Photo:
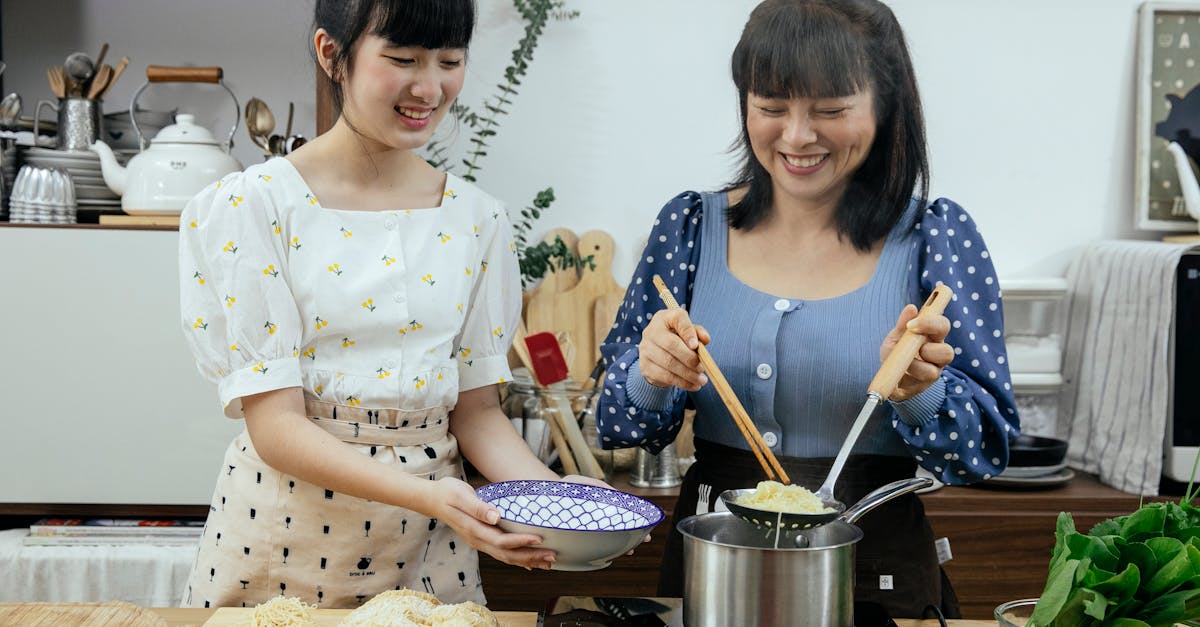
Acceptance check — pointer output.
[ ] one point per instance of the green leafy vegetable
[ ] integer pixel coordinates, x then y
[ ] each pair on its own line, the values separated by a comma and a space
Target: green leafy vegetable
1139, 570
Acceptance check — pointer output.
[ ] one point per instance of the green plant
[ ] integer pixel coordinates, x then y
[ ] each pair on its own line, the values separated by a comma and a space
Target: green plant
1138, 570
535, 259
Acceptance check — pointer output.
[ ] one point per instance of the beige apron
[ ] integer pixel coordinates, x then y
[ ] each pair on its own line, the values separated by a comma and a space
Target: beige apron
269, 534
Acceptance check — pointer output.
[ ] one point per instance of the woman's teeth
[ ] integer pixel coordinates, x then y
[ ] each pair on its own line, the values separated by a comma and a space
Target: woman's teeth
804, 162
413, 113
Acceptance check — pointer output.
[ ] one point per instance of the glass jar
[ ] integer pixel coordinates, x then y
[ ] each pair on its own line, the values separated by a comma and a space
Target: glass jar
529, 407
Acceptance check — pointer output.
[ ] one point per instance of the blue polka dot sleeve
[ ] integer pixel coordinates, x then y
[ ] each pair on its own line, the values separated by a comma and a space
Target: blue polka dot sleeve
967, 439
671, 252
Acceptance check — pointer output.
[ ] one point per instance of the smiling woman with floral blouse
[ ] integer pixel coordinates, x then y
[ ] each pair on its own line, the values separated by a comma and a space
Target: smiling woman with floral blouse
803, 274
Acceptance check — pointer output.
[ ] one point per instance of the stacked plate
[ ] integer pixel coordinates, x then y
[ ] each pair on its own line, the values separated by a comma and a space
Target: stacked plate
8, 170
91, 194
1035, 462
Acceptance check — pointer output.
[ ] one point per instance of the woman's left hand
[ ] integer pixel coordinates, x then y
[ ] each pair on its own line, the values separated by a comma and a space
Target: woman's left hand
600, 484
934, 355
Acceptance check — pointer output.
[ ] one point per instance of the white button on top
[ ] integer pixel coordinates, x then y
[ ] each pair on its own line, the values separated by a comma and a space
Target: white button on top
764, 371
782, 304
389, 224
770, 439
389, 364
399, 298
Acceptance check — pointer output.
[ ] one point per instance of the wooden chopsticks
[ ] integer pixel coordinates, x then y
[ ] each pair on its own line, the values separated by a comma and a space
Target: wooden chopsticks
766, 458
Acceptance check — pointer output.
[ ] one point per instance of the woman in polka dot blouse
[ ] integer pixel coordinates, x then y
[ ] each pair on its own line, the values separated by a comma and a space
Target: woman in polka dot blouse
361, 336
804, 273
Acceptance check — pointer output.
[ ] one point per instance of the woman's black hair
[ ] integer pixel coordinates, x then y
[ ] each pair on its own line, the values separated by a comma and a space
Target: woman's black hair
830, 49
428, 24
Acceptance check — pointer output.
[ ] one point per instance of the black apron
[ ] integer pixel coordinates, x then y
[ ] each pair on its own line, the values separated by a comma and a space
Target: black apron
897, 547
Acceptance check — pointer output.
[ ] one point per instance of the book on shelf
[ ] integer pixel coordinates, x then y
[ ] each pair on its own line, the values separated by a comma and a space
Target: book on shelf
34, 540
115, 527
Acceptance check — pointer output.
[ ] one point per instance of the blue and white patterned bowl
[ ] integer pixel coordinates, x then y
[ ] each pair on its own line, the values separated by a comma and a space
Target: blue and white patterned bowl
588, 526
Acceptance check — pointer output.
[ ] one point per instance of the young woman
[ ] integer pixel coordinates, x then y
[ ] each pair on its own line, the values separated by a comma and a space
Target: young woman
355, 306
804, 273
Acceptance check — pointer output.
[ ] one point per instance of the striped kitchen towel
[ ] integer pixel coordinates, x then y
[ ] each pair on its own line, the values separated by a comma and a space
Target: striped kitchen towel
1116, 364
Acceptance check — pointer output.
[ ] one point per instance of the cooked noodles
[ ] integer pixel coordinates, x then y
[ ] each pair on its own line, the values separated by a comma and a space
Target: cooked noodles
282, 612
773, 496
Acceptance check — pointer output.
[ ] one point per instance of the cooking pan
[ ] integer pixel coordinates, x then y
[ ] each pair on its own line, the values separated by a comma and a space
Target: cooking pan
736, 573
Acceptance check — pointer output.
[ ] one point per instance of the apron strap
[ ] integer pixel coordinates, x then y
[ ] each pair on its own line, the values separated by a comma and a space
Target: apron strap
380, 427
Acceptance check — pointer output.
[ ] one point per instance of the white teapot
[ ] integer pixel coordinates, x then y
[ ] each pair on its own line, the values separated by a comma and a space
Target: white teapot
1187, 180
181, 160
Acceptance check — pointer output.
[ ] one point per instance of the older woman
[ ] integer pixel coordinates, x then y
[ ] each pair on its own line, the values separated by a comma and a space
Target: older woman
803, 272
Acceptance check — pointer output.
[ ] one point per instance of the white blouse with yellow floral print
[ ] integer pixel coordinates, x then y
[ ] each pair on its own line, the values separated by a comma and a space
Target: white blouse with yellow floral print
381, 309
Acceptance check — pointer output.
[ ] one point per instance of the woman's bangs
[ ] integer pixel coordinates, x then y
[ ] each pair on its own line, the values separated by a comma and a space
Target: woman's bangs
431, 24
805, 56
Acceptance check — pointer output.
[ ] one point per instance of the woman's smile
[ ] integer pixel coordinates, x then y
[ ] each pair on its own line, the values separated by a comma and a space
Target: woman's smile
414, 117
803, 164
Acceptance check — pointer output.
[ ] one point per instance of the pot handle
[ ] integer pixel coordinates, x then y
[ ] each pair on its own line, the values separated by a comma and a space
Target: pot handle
883, 495
167, 74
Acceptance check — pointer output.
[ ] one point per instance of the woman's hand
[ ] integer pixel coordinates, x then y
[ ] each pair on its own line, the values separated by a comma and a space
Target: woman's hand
667, 353
934, 355
454, 502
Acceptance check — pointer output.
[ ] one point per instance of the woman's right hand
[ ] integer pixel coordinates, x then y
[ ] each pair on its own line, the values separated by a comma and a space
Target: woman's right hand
667, 353
455, 503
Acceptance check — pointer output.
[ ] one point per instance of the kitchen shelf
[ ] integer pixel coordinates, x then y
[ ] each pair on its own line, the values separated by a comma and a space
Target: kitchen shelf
1033, 288
94, 227
1036, 382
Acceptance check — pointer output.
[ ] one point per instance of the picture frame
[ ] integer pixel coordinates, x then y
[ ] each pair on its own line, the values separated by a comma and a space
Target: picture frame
1168, 64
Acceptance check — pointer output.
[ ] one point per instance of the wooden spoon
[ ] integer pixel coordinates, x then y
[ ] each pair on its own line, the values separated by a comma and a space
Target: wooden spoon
116, 73
58, 80
100, 82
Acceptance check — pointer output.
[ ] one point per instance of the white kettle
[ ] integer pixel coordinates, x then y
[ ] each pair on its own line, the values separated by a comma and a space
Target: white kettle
1187, 180
182, 158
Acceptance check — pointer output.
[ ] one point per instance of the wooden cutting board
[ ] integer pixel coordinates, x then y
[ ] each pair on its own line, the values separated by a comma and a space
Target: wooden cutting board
578, 303
114, 613
231, 616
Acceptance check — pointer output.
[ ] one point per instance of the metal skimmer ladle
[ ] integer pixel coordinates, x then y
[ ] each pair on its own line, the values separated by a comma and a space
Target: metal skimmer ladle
881, 387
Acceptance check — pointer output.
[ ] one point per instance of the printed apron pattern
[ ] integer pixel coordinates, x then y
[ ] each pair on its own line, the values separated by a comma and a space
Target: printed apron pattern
270, 534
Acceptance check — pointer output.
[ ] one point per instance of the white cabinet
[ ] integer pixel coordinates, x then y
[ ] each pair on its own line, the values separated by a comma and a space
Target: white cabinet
102, 402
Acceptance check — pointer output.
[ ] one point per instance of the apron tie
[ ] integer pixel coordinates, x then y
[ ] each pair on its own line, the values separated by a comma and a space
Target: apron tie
379, 427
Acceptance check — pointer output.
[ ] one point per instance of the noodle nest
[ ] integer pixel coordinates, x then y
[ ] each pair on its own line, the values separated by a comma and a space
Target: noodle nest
773, 496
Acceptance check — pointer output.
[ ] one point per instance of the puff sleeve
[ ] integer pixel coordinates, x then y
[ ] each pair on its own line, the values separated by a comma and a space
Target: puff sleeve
963, 438
493, 311
631, 412
239, 316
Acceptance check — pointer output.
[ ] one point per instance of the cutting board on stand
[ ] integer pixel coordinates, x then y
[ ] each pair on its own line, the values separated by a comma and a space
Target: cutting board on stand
540, 314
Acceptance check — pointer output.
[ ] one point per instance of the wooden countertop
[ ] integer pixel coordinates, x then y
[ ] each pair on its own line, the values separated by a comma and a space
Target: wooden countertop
179, 617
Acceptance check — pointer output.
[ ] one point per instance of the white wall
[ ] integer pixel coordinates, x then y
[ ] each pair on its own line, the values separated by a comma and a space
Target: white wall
1030, 103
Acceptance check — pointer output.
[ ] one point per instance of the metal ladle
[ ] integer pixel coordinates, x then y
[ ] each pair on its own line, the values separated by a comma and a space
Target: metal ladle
259, 122
10, 111
881, 387
80, 68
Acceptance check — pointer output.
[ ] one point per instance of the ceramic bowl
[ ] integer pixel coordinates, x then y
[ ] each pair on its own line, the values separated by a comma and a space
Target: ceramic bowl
1036, 450
588, 526
1015, 613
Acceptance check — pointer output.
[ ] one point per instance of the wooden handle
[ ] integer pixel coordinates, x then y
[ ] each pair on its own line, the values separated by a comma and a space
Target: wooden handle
583, 455
560, 445
168, 74
902, 354
741, 417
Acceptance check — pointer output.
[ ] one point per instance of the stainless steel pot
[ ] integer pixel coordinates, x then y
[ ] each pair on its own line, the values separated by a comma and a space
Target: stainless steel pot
738, 574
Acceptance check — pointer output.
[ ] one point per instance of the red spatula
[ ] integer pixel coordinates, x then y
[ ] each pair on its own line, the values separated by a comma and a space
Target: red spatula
548, 363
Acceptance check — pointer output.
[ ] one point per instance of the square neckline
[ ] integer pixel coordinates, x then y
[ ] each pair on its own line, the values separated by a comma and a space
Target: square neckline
721, 231
299, 176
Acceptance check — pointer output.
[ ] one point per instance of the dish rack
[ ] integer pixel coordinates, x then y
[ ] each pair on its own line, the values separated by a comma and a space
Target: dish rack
1034, 326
